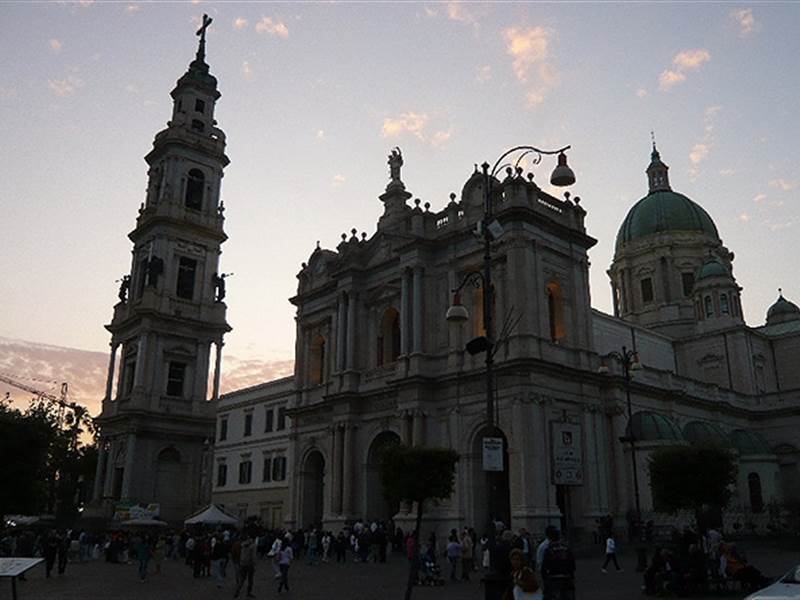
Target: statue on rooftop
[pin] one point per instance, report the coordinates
(395, 162)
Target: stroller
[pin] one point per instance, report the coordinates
(430, 573)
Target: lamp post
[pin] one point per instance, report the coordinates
(630, 362)
(490, 230)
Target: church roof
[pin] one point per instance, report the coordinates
(749, 442)
(783, 310)
(663, 209)
(712, 268)
(650, 427)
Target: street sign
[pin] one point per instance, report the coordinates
(15, 566)
(567, 454)
(493, 454)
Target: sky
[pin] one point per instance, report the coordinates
(314, 95)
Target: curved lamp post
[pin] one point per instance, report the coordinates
(562, 176)
(629, 359)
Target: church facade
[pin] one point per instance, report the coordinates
(157, 425)
(377, 363)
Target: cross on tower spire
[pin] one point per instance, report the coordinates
(201, 50)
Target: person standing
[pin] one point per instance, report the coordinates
(313, 547)
(141, 549)
(49, 551)
(542, 548)
(611, 553)
(467, 554)
(219, 553)
(247, 566)
(285, 558)
(453, 555)
(63, 552)
(558, 570)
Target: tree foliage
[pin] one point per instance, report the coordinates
(691, 477)
(417, 473)
(46, 468)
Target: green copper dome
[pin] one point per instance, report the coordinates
(712, 268)
(663, 210)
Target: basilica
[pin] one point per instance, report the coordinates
(377, 362)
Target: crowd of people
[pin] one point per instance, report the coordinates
(696, 563)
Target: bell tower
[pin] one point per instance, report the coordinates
(157, 423)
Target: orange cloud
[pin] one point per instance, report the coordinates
(686, 60)
(270, 27)
(529, 48)
(745, 20)
(239, 23)
(55, 46)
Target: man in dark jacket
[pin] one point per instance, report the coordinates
(558, 570)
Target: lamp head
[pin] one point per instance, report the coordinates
(636, 364)
(457, 313)
(562, 175)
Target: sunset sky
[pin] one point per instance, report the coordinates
(313, 97)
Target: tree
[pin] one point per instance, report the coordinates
(692, 477)
(45, 465)
(417, 474)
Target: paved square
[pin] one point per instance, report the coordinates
(348, 581)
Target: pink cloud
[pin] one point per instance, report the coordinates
(270, 27)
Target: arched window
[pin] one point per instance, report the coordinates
(169, 455)
(317, 369)
(555, 312)
(723, 304)
(194, 189)
(756, 499)
(388, 341)
(709, 306)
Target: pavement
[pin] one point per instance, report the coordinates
(348, 581)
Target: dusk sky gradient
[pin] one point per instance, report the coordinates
(315, 95)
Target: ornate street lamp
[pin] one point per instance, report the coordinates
(457, 313)
(629, 359)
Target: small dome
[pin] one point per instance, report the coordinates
(662, 211)
(713, 268)
(652, 427)
(783, 310)
(749, 442)
(701, 432)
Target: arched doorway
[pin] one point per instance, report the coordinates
(501, 491)
(377, 506)
(313, 488)
(169, 490)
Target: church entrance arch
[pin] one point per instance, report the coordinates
(501, 491)
(169, 488)
(313, 488)
(377, 506)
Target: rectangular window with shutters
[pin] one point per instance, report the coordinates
(281, 418)
(248, 424)
(223, 430)
(687, 279)
(222, 474)
(267, 476)
(647, 290)
(245, 471)
(269, 423)
(187, 271)
(176, 375)
(279, 468)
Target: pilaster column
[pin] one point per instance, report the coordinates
(341, 332)
(347, 470)
(591, 470)
(201, 376)
(217, 370)
(108, 482)
(407, 432)
(112, 361)
(615, 298)
(336, 459)
(418, 428)
(417, 315)
(102, 457)
(540, 465)
(127, 475)
(351, 331)
(404, 312)
(141, 355)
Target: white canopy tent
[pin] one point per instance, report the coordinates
(212, 515)
(143, 522)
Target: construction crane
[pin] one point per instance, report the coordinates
(79, 412)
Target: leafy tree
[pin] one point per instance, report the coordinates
(417, 474)
(45, 465)
(692, 477)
